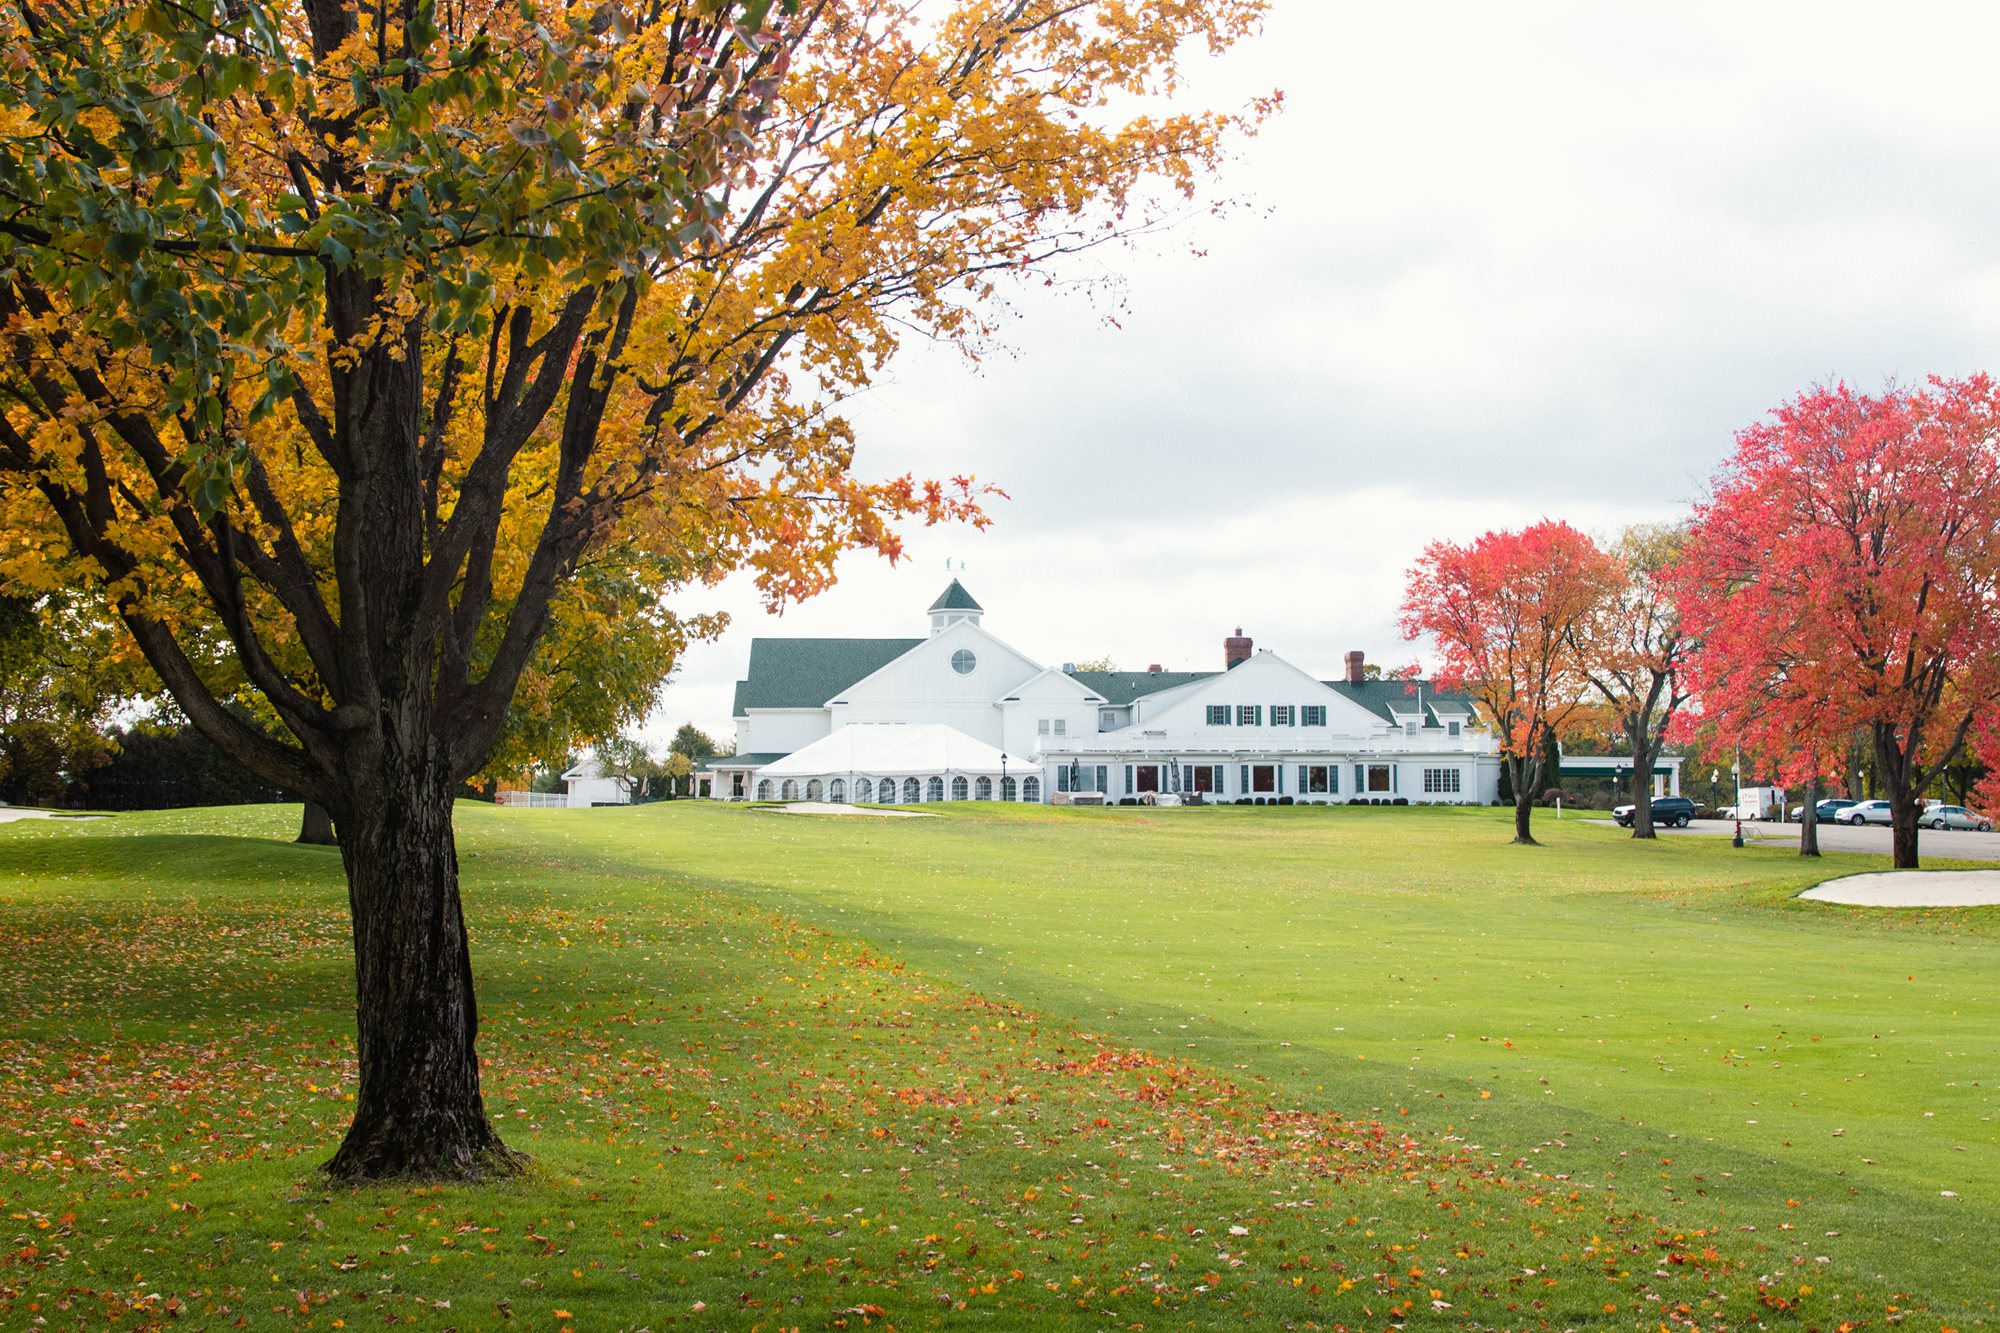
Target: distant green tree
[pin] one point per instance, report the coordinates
(163, 763)
(627, 762)
(693, 745)
(60, 683)
(693, 742)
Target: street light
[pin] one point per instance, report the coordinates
(1736, 768)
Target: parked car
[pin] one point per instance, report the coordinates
(1827, 811)
(1955, 816)
(1868, 812)
(1672, 810)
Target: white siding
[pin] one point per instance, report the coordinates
(781, 730)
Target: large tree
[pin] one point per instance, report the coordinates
(344, 333)
(1844, 575)
(1631, 648)
(1505, 613)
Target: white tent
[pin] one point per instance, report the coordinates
(931, 755)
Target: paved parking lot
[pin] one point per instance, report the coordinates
(1956, 844)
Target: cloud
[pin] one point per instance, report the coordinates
(1495, 262)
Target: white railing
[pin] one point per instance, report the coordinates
(533, 800)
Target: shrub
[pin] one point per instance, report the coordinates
(1284, 800)
(1400, 800)
(1356, 800)
(1128, 800)
(1243, 800)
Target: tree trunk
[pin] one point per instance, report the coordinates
(316, 826)
(1903, 785)
(1903, 833)
(418, 1111)
(1642, 778)
(1809, 820)
(1524, 799)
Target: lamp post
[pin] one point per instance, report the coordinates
(1003, 775)
(1736, 769)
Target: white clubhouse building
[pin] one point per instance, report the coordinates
(960, 715)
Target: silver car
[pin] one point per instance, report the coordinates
(1955, 816)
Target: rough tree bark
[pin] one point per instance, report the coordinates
(316, 826)
(1902, 786)
(418, 1111)
(1809, 820)
(1639, 736)
(1526, 775)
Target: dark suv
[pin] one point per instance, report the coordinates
(1674, 810)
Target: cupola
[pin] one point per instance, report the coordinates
(953, 605)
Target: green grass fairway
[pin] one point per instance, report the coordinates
(1011, 1067)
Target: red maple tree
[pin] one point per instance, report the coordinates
(1844, 578)
(1508, 614)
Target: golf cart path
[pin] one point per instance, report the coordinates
(1912, 888)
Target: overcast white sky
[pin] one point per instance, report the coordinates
(1495, 263)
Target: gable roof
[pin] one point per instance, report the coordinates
(955, 598)
(1385, 698)
(929, 747)
(1122, 687)
(805, 673)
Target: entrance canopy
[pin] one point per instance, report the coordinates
(867, 748)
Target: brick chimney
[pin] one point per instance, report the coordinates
(1235, 649)
(1356, 672)
(1153, 668)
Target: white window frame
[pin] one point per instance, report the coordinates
(1312, 715)
(1282, 715)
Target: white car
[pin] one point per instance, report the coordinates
(1955, 816)
(1869, 812)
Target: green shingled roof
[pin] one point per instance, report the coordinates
(1377, 695)
(806, 673)
(956, 598)
(1122, 687)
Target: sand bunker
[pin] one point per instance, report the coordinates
(1912, 888)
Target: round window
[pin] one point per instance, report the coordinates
(963, 661)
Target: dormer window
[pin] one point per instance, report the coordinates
(1411, 727)
(1452, 727)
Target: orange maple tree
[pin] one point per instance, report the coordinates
(1508, 615)
(1843, 578)
(356, 349)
